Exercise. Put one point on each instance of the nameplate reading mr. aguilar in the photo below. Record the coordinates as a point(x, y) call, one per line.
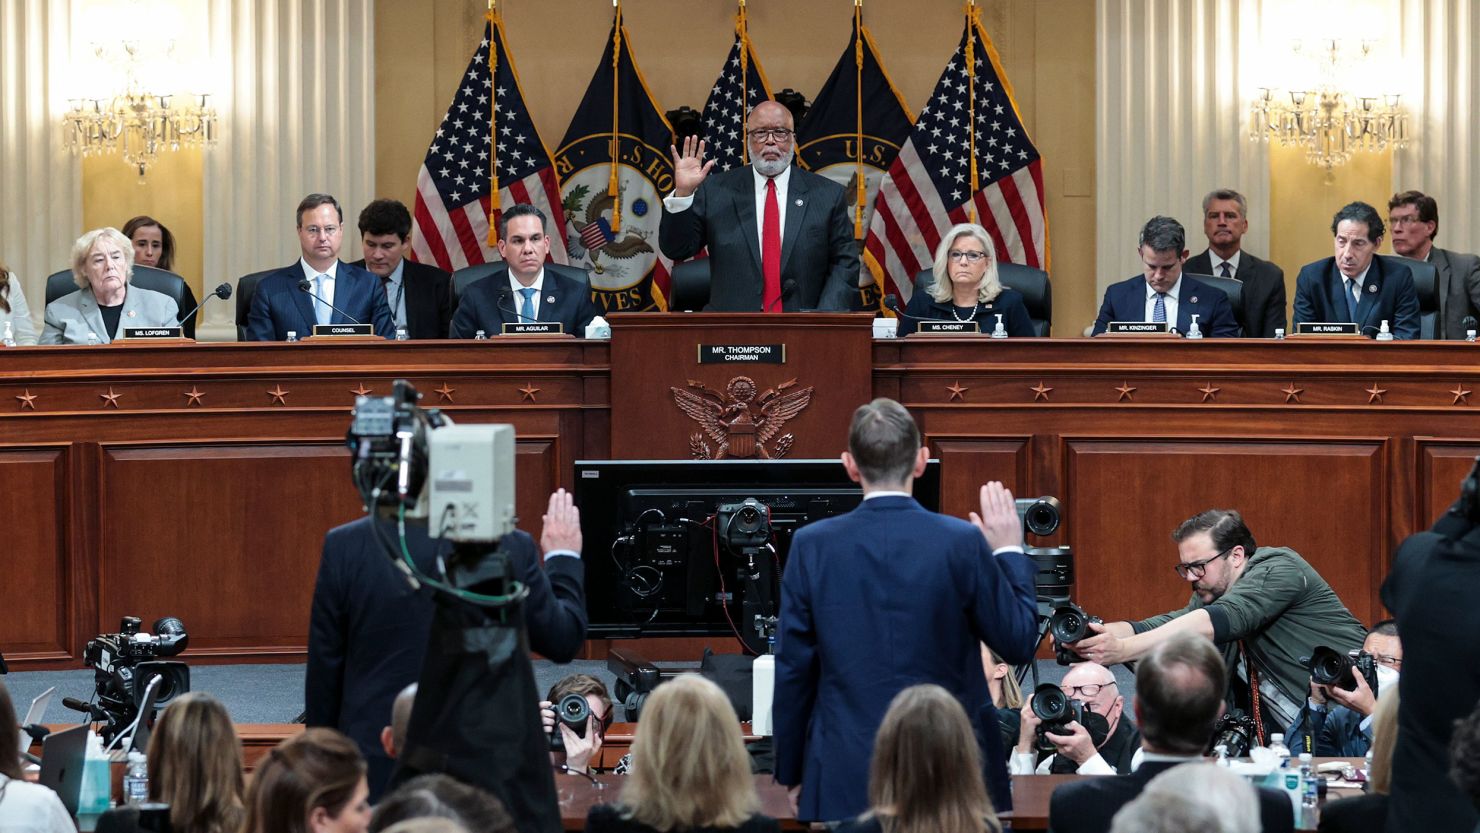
point(1327, 328)
point(535, 328)
point(742, 353)
point(153, 332)
point(947, 328)
point(320, 330)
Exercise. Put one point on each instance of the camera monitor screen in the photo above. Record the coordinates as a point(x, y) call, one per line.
point(696, 548)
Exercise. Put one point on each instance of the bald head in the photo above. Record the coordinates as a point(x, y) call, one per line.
point(1094, 685)
point(770, 137)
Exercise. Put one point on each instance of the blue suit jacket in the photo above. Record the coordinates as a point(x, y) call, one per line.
point(1387, 295)
point(1335, 732)
point(872, 602)
point(280, 306)
point(489, 304)
point(1126, 301)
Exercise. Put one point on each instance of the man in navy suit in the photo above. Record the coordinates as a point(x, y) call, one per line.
point(1179, 696)
point(368, 629)
point(530, 290)
point(1225, 221)
point(1163, 293)
point(346, 294)
point(885, 597)
point(419, 295)
point(1358, 285)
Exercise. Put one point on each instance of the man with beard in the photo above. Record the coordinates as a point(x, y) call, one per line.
point(1106, 745)
point(780, 239)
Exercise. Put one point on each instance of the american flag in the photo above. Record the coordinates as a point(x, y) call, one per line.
point(928, 188)
point(453, 208)
point(725, 109)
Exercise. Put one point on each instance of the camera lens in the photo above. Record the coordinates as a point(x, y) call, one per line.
point(1049, 703)
point(1069, 625)
point(574, 709)
point(1042, 517)
point(747, 520)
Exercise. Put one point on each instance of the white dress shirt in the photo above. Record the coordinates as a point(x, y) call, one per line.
point(518, 297)
point(326, 290)
point(1218, 262)
point(783, 183)
point(395, 293)
point(1021, 763)
point(1170, 302)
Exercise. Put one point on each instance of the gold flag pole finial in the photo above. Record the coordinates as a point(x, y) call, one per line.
point(971, 103)
point(861, 192)
point(742, 29)
point(494, 204)
point(613, 187)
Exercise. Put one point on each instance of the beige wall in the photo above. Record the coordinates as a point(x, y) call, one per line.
point(171, 194)
point(1047, 47)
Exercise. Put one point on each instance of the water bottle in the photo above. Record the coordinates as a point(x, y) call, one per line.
point(1221, 751)
point(1279, 333)
point(9, 338)
point(92, 338)
point(999, 331)
point(1278, 747)
point(1309, 792)
point(136, 781)
point(292, 335)
point(401, 334)
point(481, 335)
point(1383, 333)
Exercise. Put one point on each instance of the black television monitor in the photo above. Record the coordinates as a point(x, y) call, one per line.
point(697, 547)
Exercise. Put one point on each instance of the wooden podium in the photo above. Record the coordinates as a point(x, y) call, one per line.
point(737, 386)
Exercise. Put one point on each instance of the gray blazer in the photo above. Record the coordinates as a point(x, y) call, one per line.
point(1459, 290)
point(19, 316)
point(71, 317)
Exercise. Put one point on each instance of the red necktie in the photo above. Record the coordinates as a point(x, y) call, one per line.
point(771, 252)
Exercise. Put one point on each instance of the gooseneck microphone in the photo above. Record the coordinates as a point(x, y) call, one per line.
point(506, 302)
point(223, 292)
point(307, 288)
point(788, 289)
point(891, 303)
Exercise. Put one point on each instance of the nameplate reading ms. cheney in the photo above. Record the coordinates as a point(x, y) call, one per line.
point(742, 354)
point(947, 328)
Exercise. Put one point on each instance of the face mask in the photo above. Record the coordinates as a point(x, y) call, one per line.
point(1387, 679)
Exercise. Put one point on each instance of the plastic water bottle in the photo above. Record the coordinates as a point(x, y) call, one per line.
point(136, 780)
point(1279, 333)
point(97, 782)
point(1222, 752)
point(292, 335)
point(1194, 331)
point(999, 331)
point(762, 692)
point(1469, 335)
point(92, 338)
point(481, 335)
point(1278, 747)
point(401, 334)
point(1309, 793)
point(1383, 333)
point(9, 338)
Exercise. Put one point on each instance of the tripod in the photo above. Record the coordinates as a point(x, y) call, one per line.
point(1046, 605)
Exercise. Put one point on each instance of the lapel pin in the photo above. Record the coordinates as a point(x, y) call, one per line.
point(549, 299)
point(132, 313)
point(1192, 300)
point(799, 203)
point(1371, 287)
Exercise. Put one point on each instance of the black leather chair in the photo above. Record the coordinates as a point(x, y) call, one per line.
point(688, 286)
point(246, 287)
point(1426, 283)
point(469, 275)
point(1034, 285)
point(145, 277)
point(1234, 289)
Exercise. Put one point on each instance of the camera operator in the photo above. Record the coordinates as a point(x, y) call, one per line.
point(1114, 751)
point(1345, 729)
point(1263, 606)
point(579, 751)
point(368, 629)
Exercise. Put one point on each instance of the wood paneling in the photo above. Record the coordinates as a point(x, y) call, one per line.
point(1442, 467)
point(37, 569)
point(967, 463)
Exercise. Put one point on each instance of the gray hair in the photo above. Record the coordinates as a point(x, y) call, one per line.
point(1227, 194)
point(1163, 234)
point(85, 244)
point(1194, 796)
point(991, 286)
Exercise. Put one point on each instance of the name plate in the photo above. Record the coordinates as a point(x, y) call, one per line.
point(1138, 327)
point(360, 330)
point(535, 328)
point(1328, 328)
point(947, 328)
point(744, 353)
point(153, 332)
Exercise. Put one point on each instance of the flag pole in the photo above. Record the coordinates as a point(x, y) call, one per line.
point(861, 194)
point(742, 29)
point(971, 102)
point(494, 205)
point(613, 188)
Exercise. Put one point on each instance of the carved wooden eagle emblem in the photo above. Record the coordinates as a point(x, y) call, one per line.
point(738, 423)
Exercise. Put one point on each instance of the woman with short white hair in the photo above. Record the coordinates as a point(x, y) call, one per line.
point(966, 288)
point(105, 303)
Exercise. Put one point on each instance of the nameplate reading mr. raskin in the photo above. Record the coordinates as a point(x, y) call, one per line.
point(153, 332)
point(1327, 328)
point(534, 328)
point(1136, 327)
point(742, 353)
point(947, 328)
point(343, 330)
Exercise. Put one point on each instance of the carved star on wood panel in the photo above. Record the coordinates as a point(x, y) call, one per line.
point(529, 390)
point(1292, 393)
point(279, 396)
point(1209, 392)
point(194, 396)
point(28, 399)
point(360, 390)
point(1125, 390)
point(957, 392)
point(444, 393)
point(1374, 394)
point(110, 398)
point(1040, 391)
point(1461, 396)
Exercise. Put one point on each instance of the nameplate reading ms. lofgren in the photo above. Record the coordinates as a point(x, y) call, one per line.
point(947, 328)
point(742, 353)
point(153, 332)
point(535, 328)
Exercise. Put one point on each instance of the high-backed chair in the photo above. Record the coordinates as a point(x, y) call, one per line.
point(145, 277)
point(688, 286)
point(469, 275)
point(1234, 289)
point(246, 288)
point(1430, 302)
point(1034, 285)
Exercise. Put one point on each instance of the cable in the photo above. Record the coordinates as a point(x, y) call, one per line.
point(724, 603)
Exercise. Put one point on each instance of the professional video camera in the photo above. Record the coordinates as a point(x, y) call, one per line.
point(1234, 731)
point(1069, 623)
point(1329, 666)
point(125, 662)
point(1057, 710)
point(1039, 515)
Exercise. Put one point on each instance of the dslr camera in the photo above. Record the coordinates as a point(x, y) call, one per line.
point(1057, 710)
point(1234, 731)
point(573, 711)
point(1069, 623)
point(123, 664)
point(1331, 667)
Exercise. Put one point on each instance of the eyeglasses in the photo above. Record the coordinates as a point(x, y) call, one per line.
point(1087, 690)
point(1395, 663)
point(1198, 569)
point(967, 257)
point(778, 134)
point(327, 231)
point(1404, 221)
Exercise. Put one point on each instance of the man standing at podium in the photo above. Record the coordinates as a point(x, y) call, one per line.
point(780, 239)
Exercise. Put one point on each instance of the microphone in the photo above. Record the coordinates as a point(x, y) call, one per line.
point(223, 292)
point(307, 288)
point(92, 711)
point(891, 303)
point(788, 289)
point(507, 294)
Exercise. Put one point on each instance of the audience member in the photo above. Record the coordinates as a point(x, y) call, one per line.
point(1261, 605)
point(1162, 293)
point(393, 737)
point(195, 766)
point(581, 751)
point(1358, 284)
point(1179, 696)
point(1346, 730)
point(926, 770)
point(432, 825)
point(1007, 695)
point(966, 287)
point(14, 310)
point(1368, 813)
point(1107, 746)
point(690, 769)
point(884, 597)
point(24, 807)
point(153, 244)
point(1464, 757)
point(1414, 218)
point(444, 797)
point(105, 302)
point(310, 782)
point(530, 290)
point(419, 295)
point(1262, 297)
point(1192, 798)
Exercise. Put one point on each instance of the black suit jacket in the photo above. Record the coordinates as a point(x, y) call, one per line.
point(1358, 814)
point(1264, 296)
point(429, 299)
point(489, 303)
point(280, 307)
point(1387, 295)
point(819, 259)
point(1089, 805)
point(368, 629)
point(1459, 289)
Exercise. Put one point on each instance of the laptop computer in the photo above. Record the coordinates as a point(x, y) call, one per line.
point(34, 715)
point(145, 723)
point(62, 757)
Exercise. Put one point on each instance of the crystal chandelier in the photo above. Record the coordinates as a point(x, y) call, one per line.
point(1330, 123)
point(138, 123)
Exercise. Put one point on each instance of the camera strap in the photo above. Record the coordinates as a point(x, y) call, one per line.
point(1255, 706)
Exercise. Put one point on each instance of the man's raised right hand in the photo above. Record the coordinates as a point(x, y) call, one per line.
point(689, 167)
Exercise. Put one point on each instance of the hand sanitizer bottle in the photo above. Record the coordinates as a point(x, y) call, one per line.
point(999, 331)
point(9, 338)
point(1383, 333)
point(1194, 331)
point(481, 335)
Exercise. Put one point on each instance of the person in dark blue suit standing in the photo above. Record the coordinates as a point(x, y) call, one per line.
point(368, 629)
point(1358, 284)
point(1163, 293)
point(530, 290)
point(885, 597)
point(346, 294)
point(966, 288)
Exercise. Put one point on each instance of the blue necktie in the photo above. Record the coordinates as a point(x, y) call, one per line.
point(321, 309)
point(1351, 301)
point(1159, 312)
point(526, 307)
